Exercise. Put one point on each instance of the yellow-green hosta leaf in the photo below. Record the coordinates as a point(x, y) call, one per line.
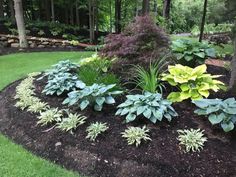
point(199, 70)
point(204, 93)
point(184, 87)
point(185, 95)
point(174, 97)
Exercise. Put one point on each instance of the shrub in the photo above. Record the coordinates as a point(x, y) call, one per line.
point(50, 116)
point(95, 129)
point(95, 95)
point(190, 53)
point(137, 42)
point(194, 83)
point(193, 140)
point(71, 122)
point(219, 111)
point(135, 135)
point(62, 82)
point(41, 33)
point(149, 80)
point(150, 105)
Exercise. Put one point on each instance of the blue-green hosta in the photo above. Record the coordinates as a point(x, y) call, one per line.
point(150, 105)
point(219, 111)
point(95, 95)
point(62, 82)
point(193, 83)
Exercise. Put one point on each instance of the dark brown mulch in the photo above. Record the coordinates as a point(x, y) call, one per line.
point(110, 155)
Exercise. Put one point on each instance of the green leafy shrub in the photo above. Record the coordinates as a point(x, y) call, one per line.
point(135, 135)
point(41, 33)
point(190, 53)
point(50, 116)
point(193, 140)
point(38, 107)
point(219, 111)
point(150, 105)
point(193, 83)
point(149, 80)
point(74, 42)
point(71, 122)
point(62, 82)
point(61, 78)
point(96, 129)
point(95, 95)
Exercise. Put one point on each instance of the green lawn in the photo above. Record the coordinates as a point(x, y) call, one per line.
point(14, 160)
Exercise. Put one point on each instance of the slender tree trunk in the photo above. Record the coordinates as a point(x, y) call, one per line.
point(137, 8)
point(146, 7)
point(110, 12)
point(72, 15)
point(166, 9)
point(96, 16)
point(66, 16)
point(91, 20)
point(155, 8)
point(20, 23)
point(118, 16)
point(12, 12)
point(77, 13)
point(52, 10)
point(233, 73)
point(47, 10)
point(1, 9)
point(203, 21)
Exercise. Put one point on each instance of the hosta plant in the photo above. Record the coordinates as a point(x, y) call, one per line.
point(222, 112)
point(96, 129)
point(95, 95)
point(191, 52)
point(150, 105)
point(71, 122)
point(61, 83)
point(193, 83)
point(50, 116)
point(135, 135)
point(193, 140)
point(38, 107)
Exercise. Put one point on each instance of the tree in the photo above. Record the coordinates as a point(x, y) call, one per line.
point(146, 7)
point(166, 9)
point(11, 9)
point(20, 23)
point(52, 10)
point(233, 73)
point(203, 21)
point(1, 9)
point(118, 16)
point(91, 20)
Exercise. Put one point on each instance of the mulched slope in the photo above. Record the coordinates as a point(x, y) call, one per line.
point(110, 155)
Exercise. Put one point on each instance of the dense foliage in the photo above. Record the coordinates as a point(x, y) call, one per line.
point(190, 52)
point(137, 42)
point(192, 140)
point(151, 106)
point(193, 83)
point(95, 95)
point(219, 111)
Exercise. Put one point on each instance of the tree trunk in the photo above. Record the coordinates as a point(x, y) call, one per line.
point(118, 16)
point(12, 12)
point(166, 9)
point(77, 13)
point(146, 7)
point(96, 16)
point(1, 9)
point(155, 8)
point(110, 12)
point(47, 10)
point(20, 23)
point(71, 15)
point(91, 20)
point(203, 21)
point(52, 10)
point(233, 73)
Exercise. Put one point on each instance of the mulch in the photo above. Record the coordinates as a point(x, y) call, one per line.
point(109, 155)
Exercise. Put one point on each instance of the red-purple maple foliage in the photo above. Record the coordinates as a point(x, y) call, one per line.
point(140, 40)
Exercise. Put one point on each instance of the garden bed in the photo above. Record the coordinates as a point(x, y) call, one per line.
point(110, 155)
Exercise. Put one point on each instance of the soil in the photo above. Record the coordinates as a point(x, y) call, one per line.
point(109, 155)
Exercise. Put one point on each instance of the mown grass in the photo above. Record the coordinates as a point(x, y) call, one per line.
point(15, 161)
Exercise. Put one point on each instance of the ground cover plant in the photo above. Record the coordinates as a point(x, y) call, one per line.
point(193, 83)
point(219, 111)
point(191, 53)
point(96, 129)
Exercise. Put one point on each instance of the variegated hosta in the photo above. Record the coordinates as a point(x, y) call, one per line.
point(150, 105)
point(219, 111)
point(193, 83)
point(96, 129)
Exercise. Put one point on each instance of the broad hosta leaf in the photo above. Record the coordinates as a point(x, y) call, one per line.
point(227, 126)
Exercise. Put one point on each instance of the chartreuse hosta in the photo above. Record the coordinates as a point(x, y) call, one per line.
point(219, 111)
point(150, 105)
point(193, 83)
point(95, 95)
